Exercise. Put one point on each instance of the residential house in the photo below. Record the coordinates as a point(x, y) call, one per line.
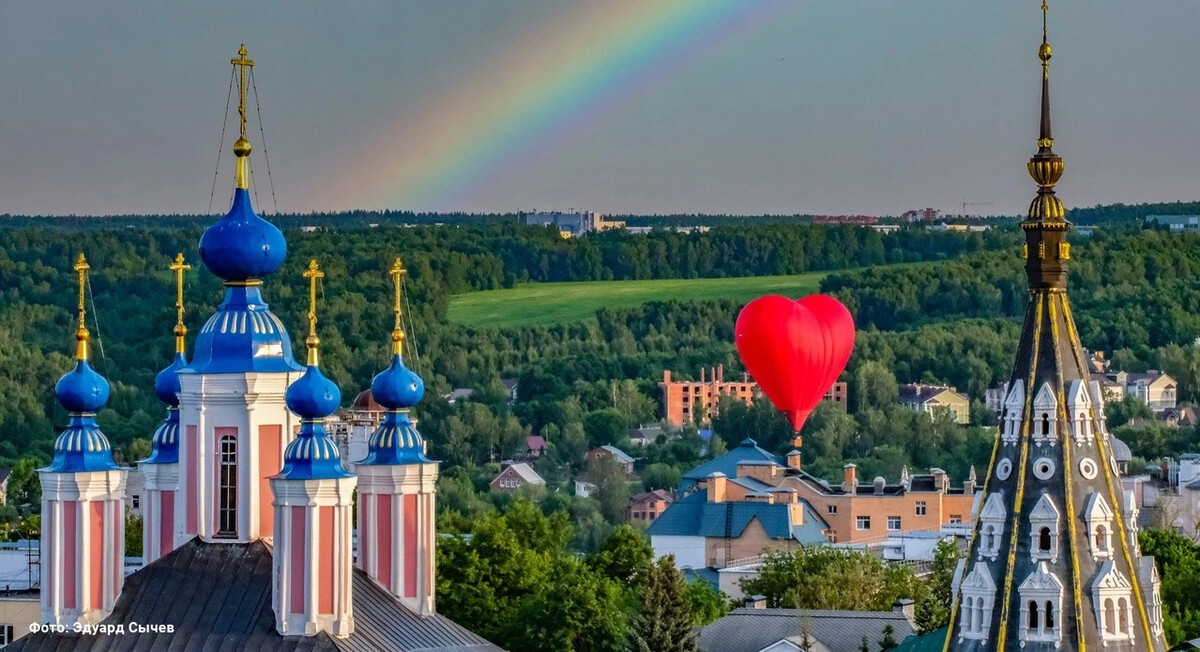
point(1156, 389)
point(609, 451)
point(4, 474)
point(459, 394)
point(994, 398)
point(933, 399)
point(584, 487)
point(645, 507)
point(535, 447)
point(1178, 417)
point(514, 476)
point(853, 512)
point(724, 519)
point(750, 629)
point(644, 436)
point(686, 402)
point(1111, 389)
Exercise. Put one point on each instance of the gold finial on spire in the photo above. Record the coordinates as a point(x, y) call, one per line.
point(241, 147)
point(313, 274)
point(82, 337)
point(179, 267)
point(397, 274)
point(1045, 166)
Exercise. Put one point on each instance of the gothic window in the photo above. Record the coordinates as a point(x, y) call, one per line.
point(1112, 597)
point(1041, 606)
point(1045, 408)
point(227, 488)
point(1099, 519)
point(1043, 532)
point(978, 594)
point(1079, 407)
point(991, 524)
point(1014, 409)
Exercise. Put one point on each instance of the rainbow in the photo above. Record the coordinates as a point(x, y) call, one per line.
point(556, 76)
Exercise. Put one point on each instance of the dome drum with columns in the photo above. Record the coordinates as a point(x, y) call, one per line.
point(248, 502)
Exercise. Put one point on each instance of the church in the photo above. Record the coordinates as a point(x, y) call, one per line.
point(1054, 562)
point(249, 510)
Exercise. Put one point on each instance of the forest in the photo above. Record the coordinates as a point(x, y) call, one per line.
point(953, 319)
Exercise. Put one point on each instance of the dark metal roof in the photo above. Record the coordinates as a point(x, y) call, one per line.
point(218, 597)
point(751, 630)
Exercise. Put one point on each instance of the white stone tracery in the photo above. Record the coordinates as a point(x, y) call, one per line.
point(1041, 607)
point(1043, 530)
point(991, 526)
point(1045, 416)
point(978, 598)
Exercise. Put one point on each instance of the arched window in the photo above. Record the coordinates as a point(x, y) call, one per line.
point(1033, 615)
point(1045, 423)
point(991, 538)
point(969, 615)
point(1044, 539)
point(1110, 617)
point(1123, 606)
point(227, 489)
point(1101, 538)
point(1049, 615)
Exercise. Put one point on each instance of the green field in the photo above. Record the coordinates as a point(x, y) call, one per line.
point(553, 303)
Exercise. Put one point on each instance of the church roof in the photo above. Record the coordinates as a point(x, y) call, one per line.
point(218, 596)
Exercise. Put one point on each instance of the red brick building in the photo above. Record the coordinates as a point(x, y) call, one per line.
point(688, 401)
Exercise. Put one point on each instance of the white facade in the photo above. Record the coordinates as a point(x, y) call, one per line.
point(248, 411)
point(688, 551)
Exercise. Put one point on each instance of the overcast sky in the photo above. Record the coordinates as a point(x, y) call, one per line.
point(803, 106)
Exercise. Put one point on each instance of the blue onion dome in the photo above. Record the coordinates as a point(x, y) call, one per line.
point(165, 442)
point(82, 447)
point(397, 388)
point(166, 383)
point(313, 396)
point(242, 245)
point(82, 390)
point(313, 453)
point(396, 440)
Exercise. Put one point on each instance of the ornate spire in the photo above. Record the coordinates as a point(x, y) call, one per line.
point(397, 274)
point(241, 147)
point(82, 337)
point(1038, 556)
point(1045, 166)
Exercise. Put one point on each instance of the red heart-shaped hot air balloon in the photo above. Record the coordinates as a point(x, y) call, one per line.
point(795, 350)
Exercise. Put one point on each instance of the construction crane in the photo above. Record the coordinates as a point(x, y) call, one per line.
point(966, 204)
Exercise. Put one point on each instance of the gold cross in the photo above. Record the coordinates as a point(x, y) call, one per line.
point(179, 267)
point(397, 274)
point(243, 63)
point(313, 274)
point(82, 336)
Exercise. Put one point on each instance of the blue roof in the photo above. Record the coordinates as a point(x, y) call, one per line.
point(747, 451)
point(695, 516)
point(243, 335)
point(397, 388)
point(164, 446)
point(166, 383)
point(395, 441)
point(312, 454)
point(82, 447)
point(704, 574)
point(242, 245)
